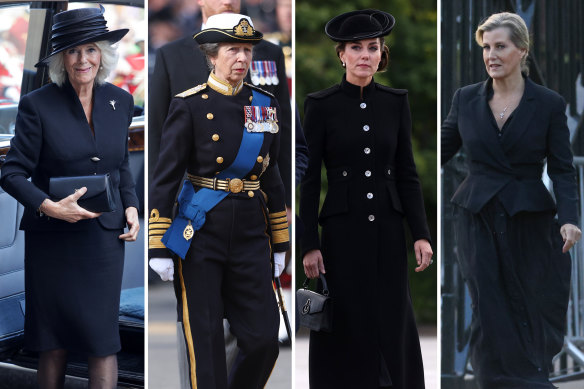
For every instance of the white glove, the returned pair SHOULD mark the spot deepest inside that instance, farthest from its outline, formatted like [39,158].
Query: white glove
[164,267]
[279,263]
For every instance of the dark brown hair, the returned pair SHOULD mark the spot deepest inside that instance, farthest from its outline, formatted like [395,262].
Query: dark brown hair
[340,46]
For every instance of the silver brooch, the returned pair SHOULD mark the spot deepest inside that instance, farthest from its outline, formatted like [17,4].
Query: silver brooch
[113,104]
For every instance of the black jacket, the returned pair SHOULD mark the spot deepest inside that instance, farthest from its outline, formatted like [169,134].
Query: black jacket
[510,165]
[53,139]
[180,65]
[202,136]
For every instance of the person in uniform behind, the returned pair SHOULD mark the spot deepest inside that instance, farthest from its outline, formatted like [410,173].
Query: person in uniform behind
[362,132]
[512,253]
[75,126]
[225,135]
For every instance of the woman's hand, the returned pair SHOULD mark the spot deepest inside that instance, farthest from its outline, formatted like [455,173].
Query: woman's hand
[67,209]
[164,267]
[133,224]
[424,253]
[571,234]
[313,264]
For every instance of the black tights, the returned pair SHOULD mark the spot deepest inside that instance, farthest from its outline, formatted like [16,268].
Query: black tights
[103,371]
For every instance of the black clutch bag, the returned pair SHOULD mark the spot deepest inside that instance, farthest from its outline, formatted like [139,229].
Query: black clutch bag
[315,310]
[98,198]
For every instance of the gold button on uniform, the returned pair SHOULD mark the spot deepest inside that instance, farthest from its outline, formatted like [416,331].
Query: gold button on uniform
[253,177]
[205,96]
[215,137]
[250,98]
[250,193]
[219,159]
[260,159]
[209,116]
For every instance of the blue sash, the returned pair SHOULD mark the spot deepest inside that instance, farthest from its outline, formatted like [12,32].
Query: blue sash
[193,206]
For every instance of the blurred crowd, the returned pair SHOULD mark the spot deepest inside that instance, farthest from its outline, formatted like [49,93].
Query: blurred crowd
[129,75]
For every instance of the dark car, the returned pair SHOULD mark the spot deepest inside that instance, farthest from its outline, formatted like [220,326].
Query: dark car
[21,44]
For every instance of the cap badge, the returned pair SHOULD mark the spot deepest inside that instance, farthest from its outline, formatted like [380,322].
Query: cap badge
[243,28]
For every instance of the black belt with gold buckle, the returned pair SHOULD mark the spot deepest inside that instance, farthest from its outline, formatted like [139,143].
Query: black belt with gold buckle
[233,185]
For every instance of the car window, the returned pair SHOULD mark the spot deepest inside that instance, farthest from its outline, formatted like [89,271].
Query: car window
[13,34]
[14,27]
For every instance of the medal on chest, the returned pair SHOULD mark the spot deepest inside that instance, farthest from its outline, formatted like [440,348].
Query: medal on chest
[260,119]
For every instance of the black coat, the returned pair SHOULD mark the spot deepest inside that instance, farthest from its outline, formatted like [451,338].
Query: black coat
[53,139]
[365,144]
[509,164]
[181,65]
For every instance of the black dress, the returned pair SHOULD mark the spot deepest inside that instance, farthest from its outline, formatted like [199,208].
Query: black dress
[509,245]
[365,143]
[73,271]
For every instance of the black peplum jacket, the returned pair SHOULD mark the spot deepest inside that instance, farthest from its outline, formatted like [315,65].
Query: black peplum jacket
[511,167]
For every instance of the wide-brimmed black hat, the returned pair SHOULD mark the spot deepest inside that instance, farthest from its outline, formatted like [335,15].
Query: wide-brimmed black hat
[79,26]
[229,27]
[358,25]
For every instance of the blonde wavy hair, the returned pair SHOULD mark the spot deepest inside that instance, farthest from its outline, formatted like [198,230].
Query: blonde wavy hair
[109,59]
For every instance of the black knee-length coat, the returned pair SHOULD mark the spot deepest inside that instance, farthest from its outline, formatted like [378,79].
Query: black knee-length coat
[365,143]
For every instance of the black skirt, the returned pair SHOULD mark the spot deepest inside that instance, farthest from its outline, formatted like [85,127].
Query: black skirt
[519,283]
[73,282]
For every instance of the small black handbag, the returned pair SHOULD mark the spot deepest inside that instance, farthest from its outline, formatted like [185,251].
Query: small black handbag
[315,310]
[98,198]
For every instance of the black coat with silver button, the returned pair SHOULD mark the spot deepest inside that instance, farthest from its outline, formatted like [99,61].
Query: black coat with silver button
[201,136]
[53,139]
[365,144]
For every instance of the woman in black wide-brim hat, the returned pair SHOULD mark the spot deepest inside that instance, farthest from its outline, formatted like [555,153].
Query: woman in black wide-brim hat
[75,126]
[362,132]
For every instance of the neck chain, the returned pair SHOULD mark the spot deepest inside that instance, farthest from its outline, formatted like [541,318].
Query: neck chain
[502,114]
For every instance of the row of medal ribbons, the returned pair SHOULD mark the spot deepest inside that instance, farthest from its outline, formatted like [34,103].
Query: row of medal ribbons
[260,119]
[264,73]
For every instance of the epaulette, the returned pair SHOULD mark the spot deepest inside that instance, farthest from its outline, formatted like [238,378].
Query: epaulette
[321,94]
[260,90]
[399,92]
[192,91]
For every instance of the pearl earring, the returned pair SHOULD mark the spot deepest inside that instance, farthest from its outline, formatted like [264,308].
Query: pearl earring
[344,64]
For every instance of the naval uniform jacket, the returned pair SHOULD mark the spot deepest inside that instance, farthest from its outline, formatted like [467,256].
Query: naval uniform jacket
[53,139]
[201,136]
[509,164]
[365,144]
[181,64]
